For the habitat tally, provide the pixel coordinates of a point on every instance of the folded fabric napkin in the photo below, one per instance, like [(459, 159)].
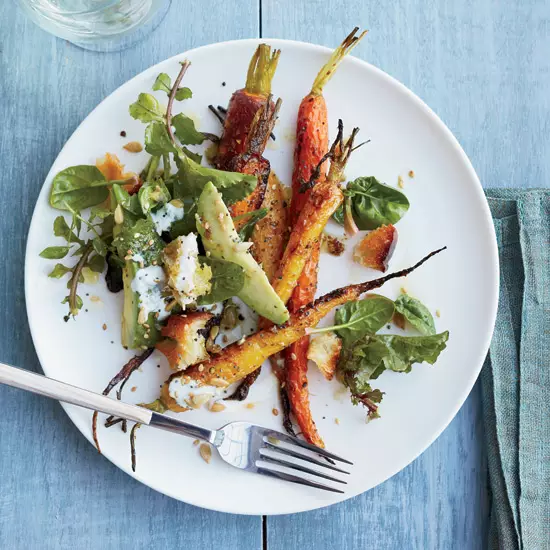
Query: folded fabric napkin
[(516, 376)]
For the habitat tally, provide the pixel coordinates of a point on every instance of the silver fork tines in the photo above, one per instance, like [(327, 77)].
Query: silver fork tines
[(258, 450)]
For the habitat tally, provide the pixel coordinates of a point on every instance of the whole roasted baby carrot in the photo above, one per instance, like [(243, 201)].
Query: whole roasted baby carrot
[(244, 106), (310, 150)]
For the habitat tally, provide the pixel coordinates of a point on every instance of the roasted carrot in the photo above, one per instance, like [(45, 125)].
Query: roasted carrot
[(242, 358), (311, 148), (251, 160), (321, 203), (244, 106)]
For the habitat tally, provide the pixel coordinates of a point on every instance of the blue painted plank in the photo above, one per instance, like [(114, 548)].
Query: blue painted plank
[(56, 492), (483, 67)]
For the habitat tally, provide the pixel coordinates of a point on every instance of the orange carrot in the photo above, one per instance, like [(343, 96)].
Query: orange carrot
[(309, 153)]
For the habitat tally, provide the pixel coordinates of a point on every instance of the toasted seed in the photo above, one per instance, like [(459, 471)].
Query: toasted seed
[(337, 421), (217, 407), (201, 399), (133, 147), (196, 442), (200, 368), (176, 203), (437, 313), (206, 452), (214, 331), (119, 215), (142, 318), (219, 383), (400, 183), (275, 411), (250, 405), (411, 173)]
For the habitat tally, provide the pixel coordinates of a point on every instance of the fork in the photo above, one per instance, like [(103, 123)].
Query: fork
[(240, 444)]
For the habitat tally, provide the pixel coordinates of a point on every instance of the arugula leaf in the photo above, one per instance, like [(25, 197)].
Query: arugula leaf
[(164, 83), (147, 109), (186, 131), (55, 252), (96, 263), (99, 212), (193, 156), (99, 246), (366, 359), (157, 140), (152, 194), (188, 224), (78, 187), (227, 280), (245, 232), (355, 320), (192, 177), (416, 313), (130, 203), (62, 229), (373, 203), (59, 270)]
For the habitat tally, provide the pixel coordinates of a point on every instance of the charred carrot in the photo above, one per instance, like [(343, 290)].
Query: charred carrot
[(242, 358), (245, 104), (311, 148)]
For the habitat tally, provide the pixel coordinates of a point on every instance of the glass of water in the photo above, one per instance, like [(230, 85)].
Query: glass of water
[(99, 25)]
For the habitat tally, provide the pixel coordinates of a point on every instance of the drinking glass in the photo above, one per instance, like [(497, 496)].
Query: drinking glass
[(99, 25)]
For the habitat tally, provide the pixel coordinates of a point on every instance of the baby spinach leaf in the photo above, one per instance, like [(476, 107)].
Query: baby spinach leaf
[(55, 252), (355, 320), (186, 131), (157, 140), (373, 203), (78, 187), (152, 194), (366, 359), (147, 109), (416, 313), (227, 280), (252, 218), (59, 270), (192, 177)]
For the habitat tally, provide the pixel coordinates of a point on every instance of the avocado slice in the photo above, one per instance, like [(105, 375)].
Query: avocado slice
[(222, 241)]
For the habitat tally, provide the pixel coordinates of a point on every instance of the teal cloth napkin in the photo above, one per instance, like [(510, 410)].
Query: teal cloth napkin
[(516, 376)]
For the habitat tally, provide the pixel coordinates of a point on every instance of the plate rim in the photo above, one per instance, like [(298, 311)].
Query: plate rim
[(486, 219)]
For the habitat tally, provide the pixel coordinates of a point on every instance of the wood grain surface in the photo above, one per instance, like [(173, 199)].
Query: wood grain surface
[(483, 67)]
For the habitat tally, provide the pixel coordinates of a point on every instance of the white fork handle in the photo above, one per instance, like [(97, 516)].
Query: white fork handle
[(42, 385)]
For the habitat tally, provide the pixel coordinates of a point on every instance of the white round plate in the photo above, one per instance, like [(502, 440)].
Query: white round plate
[(447, 208)]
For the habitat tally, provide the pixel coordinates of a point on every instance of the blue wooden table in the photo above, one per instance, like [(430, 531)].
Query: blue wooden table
[(482, 65)]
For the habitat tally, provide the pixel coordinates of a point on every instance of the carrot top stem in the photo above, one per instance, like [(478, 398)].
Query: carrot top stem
[(331, 65), (261, 70), (338, 155)]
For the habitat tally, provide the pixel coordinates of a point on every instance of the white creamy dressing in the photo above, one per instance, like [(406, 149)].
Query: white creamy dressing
[(182, 393), (148, 284), (165, 216), (188, 263)]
